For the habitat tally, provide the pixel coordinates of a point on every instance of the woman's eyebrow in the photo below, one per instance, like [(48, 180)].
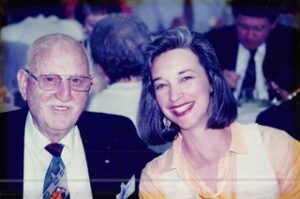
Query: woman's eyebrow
[(179, 73), (184, 71), (156, 79)]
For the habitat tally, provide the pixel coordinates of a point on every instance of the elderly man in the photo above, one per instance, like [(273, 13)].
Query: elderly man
[(258, 55), (53, 147)]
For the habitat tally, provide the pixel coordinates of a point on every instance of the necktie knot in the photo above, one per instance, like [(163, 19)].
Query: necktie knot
[(252, 52), (55, 184), (55, 149)]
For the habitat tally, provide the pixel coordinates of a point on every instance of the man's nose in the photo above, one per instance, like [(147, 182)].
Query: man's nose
[(250, 34), (64, 91)]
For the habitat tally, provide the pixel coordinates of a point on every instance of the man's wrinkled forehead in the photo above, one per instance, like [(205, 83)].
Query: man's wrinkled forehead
[(44, 49)]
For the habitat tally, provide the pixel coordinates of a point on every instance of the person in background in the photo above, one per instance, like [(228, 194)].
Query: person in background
[(87, 152), (185, 99), (117, 45), (285, 116), (6, 98), (198, 15), (257, 38), (88, 13)]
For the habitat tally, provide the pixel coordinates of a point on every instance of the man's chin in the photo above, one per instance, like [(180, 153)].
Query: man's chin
[(61, 128), (250, 46)]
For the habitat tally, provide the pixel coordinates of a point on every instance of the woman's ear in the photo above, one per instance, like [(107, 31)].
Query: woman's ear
[(211, 92), (22, 82)]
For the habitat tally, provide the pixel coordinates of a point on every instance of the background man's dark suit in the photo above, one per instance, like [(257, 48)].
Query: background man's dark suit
[(113, 151), (285, 116), (280, 59)]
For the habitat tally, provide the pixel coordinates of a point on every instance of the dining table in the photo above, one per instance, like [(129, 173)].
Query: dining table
[(248, 111)]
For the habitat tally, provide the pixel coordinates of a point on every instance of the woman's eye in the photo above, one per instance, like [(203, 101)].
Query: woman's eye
[(186, 78), (160, 86)]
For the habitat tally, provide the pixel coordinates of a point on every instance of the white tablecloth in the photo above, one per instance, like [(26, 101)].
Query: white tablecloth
[(248, 112)]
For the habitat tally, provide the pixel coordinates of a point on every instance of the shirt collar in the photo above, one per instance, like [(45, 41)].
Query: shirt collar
[(37, 141), (238, 143), (261, 50), (175, 154)]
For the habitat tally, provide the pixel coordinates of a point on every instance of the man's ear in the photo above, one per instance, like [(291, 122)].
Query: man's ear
[(102, 73), (93, 81), (22, 82)]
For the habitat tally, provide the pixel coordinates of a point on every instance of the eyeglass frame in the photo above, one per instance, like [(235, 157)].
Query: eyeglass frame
[(246, 27), (37, 78)]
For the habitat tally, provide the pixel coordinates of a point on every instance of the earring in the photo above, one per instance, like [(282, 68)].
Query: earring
[(167, 123), (211, 93)]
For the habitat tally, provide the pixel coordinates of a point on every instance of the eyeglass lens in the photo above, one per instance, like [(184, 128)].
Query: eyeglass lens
[(77, 83)]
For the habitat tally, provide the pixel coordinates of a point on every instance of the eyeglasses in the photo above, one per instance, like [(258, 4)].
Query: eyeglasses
[(52, 82), (247, 27)]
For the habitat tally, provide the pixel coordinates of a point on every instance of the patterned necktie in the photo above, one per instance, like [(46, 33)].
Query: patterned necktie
[(55, 184), (248, 84)]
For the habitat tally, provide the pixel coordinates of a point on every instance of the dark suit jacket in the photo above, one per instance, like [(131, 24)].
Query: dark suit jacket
[(113, 151), (282, 52), (285, 116)]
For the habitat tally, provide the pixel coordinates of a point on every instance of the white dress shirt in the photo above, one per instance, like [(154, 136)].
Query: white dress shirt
[(37, 160), (120, 98), (261, 87)]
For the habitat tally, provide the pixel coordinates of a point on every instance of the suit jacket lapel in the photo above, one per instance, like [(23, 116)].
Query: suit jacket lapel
[(84, 130), (15, 150)]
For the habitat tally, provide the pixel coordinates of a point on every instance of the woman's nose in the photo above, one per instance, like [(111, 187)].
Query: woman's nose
[(175, 93)]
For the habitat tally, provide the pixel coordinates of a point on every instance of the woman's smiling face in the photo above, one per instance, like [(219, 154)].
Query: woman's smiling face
[(182, 88)]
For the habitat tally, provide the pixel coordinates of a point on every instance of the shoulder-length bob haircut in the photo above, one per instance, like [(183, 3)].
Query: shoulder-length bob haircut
[(223, 109)]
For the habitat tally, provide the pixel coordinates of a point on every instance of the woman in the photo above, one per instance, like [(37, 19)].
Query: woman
[(186, 99)]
